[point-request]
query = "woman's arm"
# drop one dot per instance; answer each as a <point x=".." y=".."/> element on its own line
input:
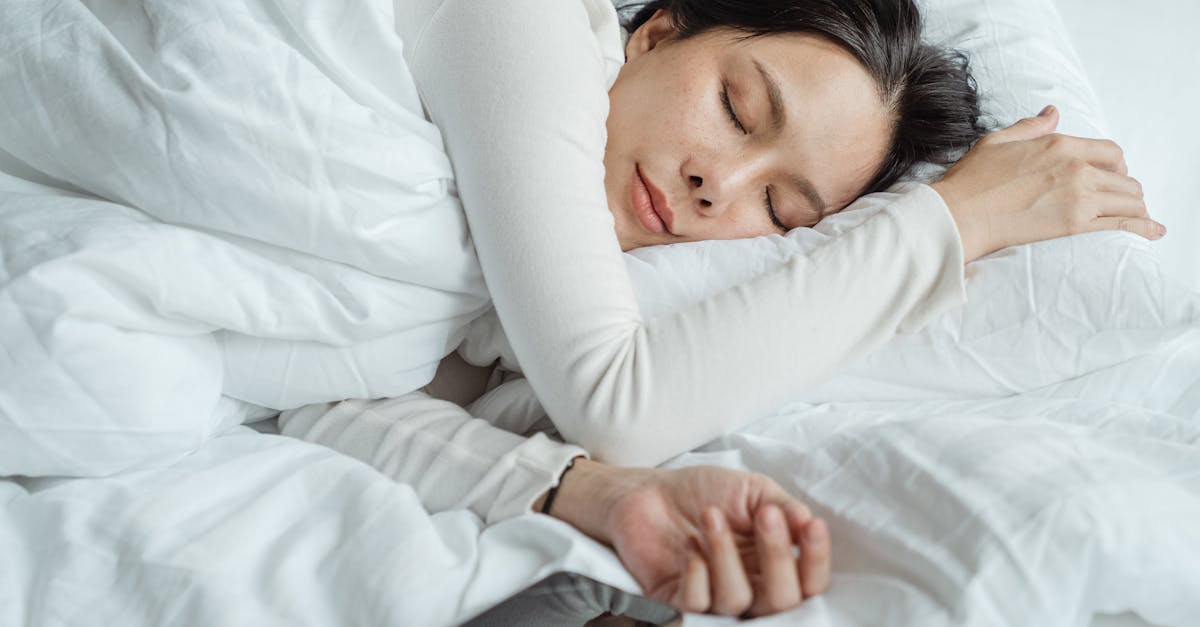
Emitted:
<point x="655" y="519"/>
<point x="519" y="92"/>
<point x="452" y="460"/>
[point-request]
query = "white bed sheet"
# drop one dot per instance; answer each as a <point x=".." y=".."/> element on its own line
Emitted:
<point x="1014" y="511"/>
<point x="1017" y="512"/>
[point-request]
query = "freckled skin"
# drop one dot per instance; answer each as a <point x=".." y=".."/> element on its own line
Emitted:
<point x="667" y="117"/>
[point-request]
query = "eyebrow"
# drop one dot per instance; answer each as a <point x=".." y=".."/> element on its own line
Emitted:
<point x="775" y="96"/>
<point x="806" y="188"/>
<point x="778" y="120"/>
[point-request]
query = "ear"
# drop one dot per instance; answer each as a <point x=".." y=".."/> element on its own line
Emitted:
<point x="660" y="27"/>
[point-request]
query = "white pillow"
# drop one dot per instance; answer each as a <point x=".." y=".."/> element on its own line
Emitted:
<point x="1022" y="57"/>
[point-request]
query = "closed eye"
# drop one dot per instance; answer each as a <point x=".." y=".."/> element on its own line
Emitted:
<point x="729" y="109"/>
<point x="737" y="123"/>
<point x="771" y="211"/>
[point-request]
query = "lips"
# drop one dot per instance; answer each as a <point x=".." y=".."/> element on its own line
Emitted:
<point x="650" y="205"/>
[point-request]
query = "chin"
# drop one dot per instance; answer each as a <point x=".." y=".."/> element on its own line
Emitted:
<point x="626" y="243"/>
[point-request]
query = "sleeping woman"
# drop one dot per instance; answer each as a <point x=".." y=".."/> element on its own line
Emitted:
<point x="710" y="120"/>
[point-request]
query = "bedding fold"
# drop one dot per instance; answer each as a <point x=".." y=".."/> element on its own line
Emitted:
<point x="244" y="201"/>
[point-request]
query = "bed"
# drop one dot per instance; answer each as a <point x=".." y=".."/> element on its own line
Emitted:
<point x="1030" y="459"/>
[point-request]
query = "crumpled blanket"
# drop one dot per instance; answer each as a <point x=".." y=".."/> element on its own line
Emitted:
<point x="209" y="202"/>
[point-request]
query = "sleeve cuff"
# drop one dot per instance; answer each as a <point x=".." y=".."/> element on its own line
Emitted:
<point x="538" y="466"/>
<point x="926" y="221"/>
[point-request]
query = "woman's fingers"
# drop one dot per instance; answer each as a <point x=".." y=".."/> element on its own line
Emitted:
<point x="692" y="595"/>
<point x="816" y="562"/>
<point x="797" y="516"/>
<point x="1117" y="183"/>
<point x="1148" y="229"/>
<point x="811" y="535"/>
<point x="796" y="512"/>
<point x="1118" y="205"/>
<point x="1103" y="154"/>
<point x="696" y="584"/>
<point x="778" y="582"/>
<point x="730" y="588"/>
<point x="1027" y="184"/>
<point x="1040" y="125"/>
<point x="1106" y="154"/>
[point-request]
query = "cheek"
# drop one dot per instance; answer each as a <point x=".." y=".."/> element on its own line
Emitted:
<point x="672" y="106"/>
<point x="695" y="112"/>
<point x="668" y="102"/>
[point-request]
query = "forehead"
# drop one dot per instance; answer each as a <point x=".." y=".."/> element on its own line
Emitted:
<point x="838" y="129"/>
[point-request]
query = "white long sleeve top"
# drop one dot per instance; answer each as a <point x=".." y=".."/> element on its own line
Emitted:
<point x="518" y="90"/>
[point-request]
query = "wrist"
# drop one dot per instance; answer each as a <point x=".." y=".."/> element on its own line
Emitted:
<point x="971" y="233"/>
<point x="590" y="492"/>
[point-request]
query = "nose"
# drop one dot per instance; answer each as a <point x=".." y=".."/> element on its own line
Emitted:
<point x="697" y="183"/>
<point x="718" y="184"/>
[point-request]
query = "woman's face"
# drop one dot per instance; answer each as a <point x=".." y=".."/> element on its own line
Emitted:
<point x="718" y="137"/>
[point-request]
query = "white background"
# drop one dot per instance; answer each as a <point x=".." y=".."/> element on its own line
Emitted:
<point x="1143" y="59"/>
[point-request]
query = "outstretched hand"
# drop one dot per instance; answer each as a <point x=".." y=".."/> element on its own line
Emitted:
<point x="702" y="539"/>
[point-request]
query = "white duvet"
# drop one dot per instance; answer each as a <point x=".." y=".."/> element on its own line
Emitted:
<point x="281" y="237"/>
<point x="1030" y="459"/>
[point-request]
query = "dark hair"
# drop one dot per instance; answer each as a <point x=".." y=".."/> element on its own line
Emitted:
<point x="929" y="91"/>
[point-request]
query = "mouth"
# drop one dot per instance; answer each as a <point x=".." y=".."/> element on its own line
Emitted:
<point x="650" y="205"/>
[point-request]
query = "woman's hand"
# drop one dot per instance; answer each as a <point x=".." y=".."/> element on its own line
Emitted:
<point x="702" y="539"/>
<point x="1026" y="184"/>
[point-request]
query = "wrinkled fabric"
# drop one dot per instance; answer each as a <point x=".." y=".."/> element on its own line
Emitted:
<point x="941" y="513"/>
<point x="239" y="201"/>
<point x="1017" y="511"/>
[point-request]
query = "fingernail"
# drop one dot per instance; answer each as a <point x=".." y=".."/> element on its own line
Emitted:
<point x="1046" y="111"/>
<point x="772" y="518"/>
<point x="814" y="532"/>
<point x="712" y="521"/>
<point x="1162" y="230"/>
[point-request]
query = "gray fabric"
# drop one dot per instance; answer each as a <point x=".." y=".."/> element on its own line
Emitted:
<point x="570" y="600"/>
